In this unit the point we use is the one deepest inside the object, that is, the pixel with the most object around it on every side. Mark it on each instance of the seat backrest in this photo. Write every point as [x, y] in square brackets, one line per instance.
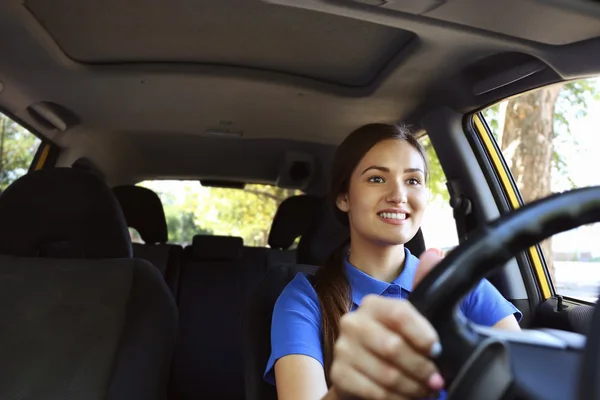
[144, 212]
[217, 276]
[256, 331]
[323, 235]
[86, 320]
[62, 213]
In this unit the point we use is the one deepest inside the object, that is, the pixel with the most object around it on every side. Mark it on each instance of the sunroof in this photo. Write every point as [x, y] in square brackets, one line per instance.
[249, 34]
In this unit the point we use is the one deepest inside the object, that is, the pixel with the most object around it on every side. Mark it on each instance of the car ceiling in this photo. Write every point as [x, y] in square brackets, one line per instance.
[223, 89]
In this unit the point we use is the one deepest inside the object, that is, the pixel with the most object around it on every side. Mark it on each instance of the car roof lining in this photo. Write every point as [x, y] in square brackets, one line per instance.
[257, 35]
[128, 108]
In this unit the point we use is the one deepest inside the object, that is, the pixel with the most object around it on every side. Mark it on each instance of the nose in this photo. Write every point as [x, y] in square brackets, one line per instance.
[398, 193]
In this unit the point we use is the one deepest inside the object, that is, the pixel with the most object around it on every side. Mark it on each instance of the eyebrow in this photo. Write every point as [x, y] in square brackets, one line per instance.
[385, 169]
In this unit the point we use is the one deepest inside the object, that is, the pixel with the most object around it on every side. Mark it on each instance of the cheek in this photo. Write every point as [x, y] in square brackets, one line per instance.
[420, 199]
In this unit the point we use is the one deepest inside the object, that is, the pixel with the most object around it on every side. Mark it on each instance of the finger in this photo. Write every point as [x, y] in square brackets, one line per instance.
[428, 260]
[384, 373]
[402, 318]
[352, 384]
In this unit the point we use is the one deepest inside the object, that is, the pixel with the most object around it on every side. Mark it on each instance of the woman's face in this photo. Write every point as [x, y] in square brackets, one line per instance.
[387, 195]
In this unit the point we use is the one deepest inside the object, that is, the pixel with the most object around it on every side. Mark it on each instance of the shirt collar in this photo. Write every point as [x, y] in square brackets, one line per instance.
[363, 284]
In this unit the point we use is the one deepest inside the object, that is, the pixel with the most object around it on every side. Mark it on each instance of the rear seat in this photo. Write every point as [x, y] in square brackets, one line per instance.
[217, 277]
[144, 212]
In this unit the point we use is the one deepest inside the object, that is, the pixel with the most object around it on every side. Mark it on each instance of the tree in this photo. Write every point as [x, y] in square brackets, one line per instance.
[180, 201]
[244, 212]
[17, 148]
[192, 209]
[527, 134]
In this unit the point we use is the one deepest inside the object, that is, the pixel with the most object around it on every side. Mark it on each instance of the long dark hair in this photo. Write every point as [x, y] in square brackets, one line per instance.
[331, 282]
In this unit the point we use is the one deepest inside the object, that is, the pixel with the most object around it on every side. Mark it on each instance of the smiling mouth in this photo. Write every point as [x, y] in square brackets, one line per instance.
[394, 216]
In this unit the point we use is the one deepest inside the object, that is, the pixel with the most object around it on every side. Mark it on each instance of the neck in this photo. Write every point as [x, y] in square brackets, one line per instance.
[383, 262]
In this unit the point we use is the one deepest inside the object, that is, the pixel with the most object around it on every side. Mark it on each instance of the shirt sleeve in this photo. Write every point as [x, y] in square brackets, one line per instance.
[296, 324]
[484, 305]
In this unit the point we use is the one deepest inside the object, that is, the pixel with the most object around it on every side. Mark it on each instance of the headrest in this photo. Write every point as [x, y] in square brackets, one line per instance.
[292, 219]
[326, 233]
[144, 212]
[62, 213]
[218, 248]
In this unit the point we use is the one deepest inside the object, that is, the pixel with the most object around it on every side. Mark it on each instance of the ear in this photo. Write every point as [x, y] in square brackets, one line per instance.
[342, 202]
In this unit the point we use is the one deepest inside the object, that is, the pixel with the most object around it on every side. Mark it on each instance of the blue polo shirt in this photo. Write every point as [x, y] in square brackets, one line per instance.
[296, 323]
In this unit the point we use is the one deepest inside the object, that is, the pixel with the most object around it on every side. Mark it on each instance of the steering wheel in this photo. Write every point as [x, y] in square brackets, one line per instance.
[484, 363]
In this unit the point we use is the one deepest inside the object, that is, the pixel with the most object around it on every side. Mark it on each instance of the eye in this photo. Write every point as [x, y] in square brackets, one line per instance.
[376, 179]
[414, 181]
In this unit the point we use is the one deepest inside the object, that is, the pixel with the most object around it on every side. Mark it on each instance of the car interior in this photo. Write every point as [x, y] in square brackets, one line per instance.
[231, 93]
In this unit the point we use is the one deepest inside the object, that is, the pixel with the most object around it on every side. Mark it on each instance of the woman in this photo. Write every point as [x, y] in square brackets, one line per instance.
[323, 344]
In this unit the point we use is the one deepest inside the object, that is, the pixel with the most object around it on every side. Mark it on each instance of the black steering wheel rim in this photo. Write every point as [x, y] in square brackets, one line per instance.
[438, 295]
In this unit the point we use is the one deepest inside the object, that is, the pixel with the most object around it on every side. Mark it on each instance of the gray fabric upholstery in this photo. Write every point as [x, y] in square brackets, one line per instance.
[156, 254]
[144, 212]
[218, 248]
[84, 329]
[143, 362]
[62, 213]
[82, 319]
[293, 217]
[256, 333]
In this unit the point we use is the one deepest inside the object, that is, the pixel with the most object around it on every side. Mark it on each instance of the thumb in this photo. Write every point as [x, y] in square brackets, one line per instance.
[427, 262]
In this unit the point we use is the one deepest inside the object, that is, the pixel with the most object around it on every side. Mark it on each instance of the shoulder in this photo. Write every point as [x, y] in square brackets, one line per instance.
[485, 305]
[299, 293]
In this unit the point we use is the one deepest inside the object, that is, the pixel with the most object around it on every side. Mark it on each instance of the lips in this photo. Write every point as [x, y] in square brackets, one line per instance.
[394, 217]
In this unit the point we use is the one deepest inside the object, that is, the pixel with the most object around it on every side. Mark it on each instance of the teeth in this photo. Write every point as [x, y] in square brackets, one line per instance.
[393, 215]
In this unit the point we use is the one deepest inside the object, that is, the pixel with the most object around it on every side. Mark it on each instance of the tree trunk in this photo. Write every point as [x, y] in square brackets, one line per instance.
[527, 145]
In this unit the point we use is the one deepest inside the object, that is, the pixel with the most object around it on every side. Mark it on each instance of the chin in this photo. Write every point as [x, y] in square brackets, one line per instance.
[396, 239]
[388, 240]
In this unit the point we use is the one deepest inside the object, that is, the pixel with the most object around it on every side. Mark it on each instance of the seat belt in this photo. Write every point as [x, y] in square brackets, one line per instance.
[461, 207]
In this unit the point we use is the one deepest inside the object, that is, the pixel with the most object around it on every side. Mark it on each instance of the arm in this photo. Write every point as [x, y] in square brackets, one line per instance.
[296, 362]
[301, 377]
[508, 323]
[486, 306]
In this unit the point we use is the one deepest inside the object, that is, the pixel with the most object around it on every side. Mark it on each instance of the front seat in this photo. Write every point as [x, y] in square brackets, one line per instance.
[82, 319]
[322, 237]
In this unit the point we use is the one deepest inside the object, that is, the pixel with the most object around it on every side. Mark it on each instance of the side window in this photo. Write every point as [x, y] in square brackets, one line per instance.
[439, 226]
[549, 140]
[17, 150]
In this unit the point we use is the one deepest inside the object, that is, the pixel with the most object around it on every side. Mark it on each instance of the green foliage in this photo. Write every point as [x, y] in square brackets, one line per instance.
[247, 213]
[180, 201]
[192, 209]
[17, 149]
[572, 104]
[437, 178]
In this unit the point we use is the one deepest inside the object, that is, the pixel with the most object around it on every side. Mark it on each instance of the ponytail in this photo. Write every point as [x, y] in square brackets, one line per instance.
[333, 289]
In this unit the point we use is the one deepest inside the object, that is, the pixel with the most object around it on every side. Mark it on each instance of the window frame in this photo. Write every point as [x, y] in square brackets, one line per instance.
[508, 198]
[47, 151]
